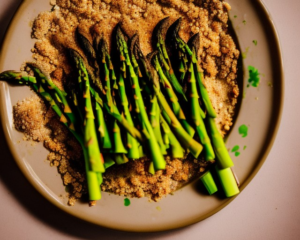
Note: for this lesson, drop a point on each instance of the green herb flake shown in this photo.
(235, 16)
(126, 202)
(255, 42)
(270, 84)
(253, 76)
(235, 148)
(243, 130)
(237, 154)
(244, 21)
(245, 147)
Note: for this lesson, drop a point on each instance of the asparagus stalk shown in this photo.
(194, 47)
(94, 156)
(118, 141)
(168, 138)
(223, 157)
(184, 138)
(155, 116)
(149, 96)
(184, 50)
(132, 143)
(196, 116)
(92, 177)
(175, 147)
(114, 111)
(155, 153)
(103, 52)
(89, 51)
(227, 181)
(172, 97)
(103, 133)
(59, 94)
(90, 136)
(209, 183)
(159, 45)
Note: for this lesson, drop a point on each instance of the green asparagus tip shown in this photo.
(160, 30)
(173, 30)
(7, 75)
(74, 55)
(194, 42)
(85, 44)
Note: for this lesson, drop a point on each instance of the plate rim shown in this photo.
(270, 140)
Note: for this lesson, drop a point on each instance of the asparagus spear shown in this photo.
(194, 46)
(175, 147)
(196, 116)
(89, 51)
(132, 143)
(115, 111)
(185, 139)
(59, 94)
(223, 157)
(227, 181)
(155, 153)
(103, 133)
(159, 45)
(168, 138)
(172, 97)
(118, 141)
(148, 96)
(90, 136)
(155, 116)
(209, 183)
(92, 177)
(184, 50)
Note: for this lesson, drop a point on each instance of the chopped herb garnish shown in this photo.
(243, 130)
(253, 76)
(244, 21)
(255, 42)
(126, 202)
(235, 148)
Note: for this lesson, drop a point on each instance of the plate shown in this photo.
(260, 112)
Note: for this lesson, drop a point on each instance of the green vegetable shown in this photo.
(159, 45)
(227, 181)
(196, 116)
(223, 157)
(253, 76)
(155, 153)
(209, 183)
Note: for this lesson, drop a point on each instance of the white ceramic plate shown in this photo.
(260, 110)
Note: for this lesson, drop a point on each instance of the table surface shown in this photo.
(266, 209)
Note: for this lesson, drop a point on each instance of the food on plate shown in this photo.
(134, 97)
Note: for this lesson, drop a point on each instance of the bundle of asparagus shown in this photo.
(131, 107)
